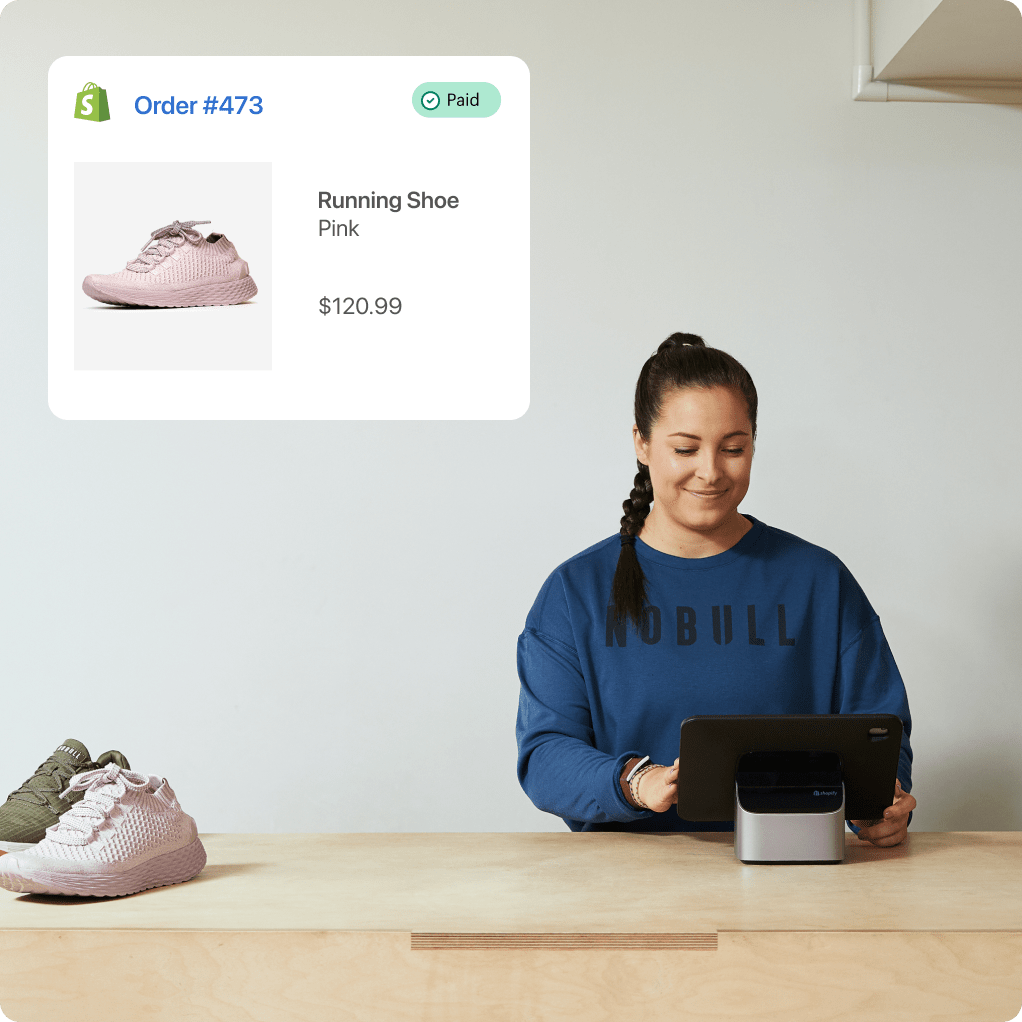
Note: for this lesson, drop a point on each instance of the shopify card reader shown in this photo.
(789, 807)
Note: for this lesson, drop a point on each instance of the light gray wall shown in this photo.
(311, 626)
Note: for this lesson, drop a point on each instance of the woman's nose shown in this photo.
(708, 467)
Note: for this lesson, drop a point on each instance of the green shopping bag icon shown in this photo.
(91, 104)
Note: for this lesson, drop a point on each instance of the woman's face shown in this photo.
(699, 457)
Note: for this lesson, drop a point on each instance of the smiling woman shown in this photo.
(646, 628)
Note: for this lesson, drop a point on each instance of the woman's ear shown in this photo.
(641, 446)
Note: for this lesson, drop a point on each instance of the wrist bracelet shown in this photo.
(631, 773)
(633, 785)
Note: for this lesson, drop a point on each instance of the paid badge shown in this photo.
(91, 104)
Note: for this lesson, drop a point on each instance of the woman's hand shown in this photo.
(657, 787)
(893, 828)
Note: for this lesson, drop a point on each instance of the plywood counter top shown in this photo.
(558, 883)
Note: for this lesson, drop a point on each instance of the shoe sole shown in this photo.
(161, 871)
(230, 292)
(16, 846)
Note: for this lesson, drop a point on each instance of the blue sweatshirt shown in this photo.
(773, 625)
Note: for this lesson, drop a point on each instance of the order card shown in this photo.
(288, 237)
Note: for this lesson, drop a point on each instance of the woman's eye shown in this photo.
(734, 451)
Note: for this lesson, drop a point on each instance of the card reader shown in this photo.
(789, 807)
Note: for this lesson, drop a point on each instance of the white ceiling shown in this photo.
(965, 40)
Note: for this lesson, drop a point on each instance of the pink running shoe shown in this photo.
(127, 834)
(177, 267)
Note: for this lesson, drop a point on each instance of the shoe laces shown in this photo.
(103, 788)
(163, 241)
(36, 793)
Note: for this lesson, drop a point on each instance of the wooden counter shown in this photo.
(532, 926)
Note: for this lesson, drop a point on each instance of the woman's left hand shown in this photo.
(893, 828)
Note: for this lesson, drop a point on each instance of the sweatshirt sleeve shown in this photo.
(868, 678)
(559, 766)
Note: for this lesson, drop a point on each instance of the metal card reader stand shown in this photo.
(789, 807)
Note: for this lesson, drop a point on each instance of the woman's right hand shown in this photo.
(658, 787)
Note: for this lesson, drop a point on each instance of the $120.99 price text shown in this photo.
(359, 306)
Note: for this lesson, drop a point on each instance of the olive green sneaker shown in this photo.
(39, 802)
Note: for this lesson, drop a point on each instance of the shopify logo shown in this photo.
(91, 104)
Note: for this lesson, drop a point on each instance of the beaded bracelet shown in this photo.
(633, 785)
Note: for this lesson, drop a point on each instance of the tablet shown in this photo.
(867, 744)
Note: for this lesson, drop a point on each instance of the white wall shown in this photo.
(311, 626)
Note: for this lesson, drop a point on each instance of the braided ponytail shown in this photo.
(629, 589)
(683, 360)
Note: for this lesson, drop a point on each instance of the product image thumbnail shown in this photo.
(183, 296)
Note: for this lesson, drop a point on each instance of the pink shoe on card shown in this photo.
(176, 268)
(127, 834)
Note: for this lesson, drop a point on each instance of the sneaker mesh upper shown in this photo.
(39, 802)
(124, 817)
(181, 256)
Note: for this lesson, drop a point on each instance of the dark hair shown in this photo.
(683, 360)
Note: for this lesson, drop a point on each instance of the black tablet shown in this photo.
(868, 745)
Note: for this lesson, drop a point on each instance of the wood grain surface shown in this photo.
(266, 976)
(520, 927)
(536, 883)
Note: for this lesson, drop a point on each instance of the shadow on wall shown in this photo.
(956, 638)
(983, 784)
(979, 791)
(978, 761)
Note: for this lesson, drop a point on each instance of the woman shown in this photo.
(694, 608)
